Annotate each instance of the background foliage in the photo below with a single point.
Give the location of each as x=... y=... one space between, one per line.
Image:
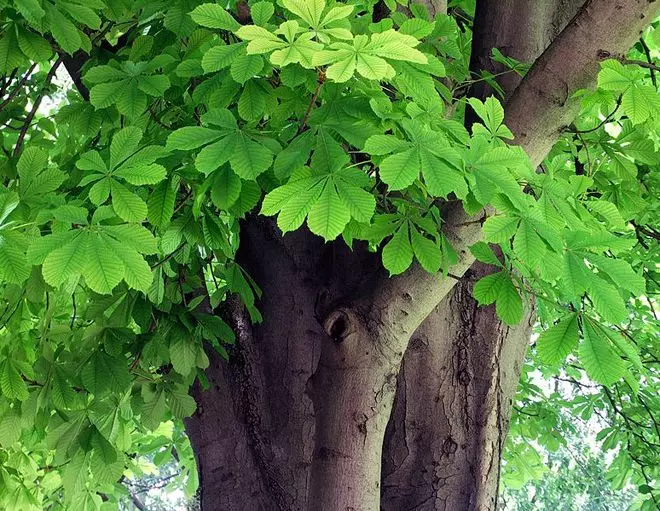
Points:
x=120 y=214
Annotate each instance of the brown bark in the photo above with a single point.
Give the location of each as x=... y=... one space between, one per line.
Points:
x=298 y=417
x=445 y=438
x=542 y=105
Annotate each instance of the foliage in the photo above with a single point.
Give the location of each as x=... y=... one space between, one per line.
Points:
x=120 y=215
x=575 y=479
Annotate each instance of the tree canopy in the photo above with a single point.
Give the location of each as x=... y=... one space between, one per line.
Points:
x=121 y=207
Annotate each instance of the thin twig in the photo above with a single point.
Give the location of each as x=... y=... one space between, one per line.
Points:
x=602 y=123
x=35 y=107
x=168 y=257
x=640 y=63
x=647 y=52
x=315 y=96
x=18 y=87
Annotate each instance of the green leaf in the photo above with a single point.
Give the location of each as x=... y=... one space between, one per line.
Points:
x=128 y=206
x=482 y=252
x=555 y=343
x=398 y=252
x=65 y=33
x=225 y=189
x=245 y=67
x=249 y=158
x=137 y=272
x=214 y=16
x=13 y=266
x=620 y=272
x=509 y=305
x=607 y=300
x=428 y=253
x=329 y=215
x=102 y=269
x=500 y=229
x=34 y=46
x=360 y=203
x=220 y=57
x=640 y=102
x=146 y=174
x=11 y=381
x=181 y=404
x=104 y=373
x=488 y=288
x=308 y=10
x=66 y=261
x=183 y=354
x=384 y=144
x=160 y=205
x=400 y=170
x=124 y=144
x=598 y=357
x=528 y=245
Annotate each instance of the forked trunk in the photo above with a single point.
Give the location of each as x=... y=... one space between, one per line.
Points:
x=362 y=393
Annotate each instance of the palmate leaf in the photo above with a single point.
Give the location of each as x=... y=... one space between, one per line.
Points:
x=329 y=214
x=559 y=340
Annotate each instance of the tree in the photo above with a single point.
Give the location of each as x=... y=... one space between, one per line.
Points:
x=309 y=229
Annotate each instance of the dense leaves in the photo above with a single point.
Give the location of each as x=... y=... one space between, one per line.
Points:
x=120 y=215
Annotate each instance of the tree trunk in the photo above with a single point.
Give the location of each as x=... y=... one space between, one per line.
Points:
x=359 y=392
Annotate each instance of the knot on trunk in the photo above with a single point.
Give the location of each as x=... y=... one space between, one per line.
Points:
x=340 y=324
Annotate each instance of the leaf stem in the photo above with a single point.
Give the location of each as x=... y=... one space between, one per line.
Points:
x=319 y=84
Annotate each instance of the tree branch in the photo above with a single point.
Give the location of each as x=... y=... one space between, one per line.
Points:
x=35 y=107
x=537 y=113
x=18 y=87
x=542 y=105
x=401 y=303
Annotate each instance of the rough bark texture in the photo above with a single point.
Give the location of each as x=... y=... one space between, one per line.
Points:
x=444 y=442
x=301 y=416
x=542 y=105
x=520 y=29
x=453 y=401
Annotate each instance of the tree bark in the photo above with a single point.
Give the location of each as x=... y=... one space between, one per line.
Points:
x=300 y=417
x=445 y=438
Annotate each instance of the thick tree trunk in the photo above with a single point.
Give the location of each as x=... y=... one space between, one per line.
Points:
x=444 y=442
x=359 y=392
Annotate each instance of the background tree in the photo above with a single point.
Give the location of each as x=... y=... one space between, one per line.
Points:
x=337 y=356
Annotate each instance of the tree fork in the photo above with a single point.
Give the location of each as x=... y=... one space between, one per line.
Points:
x=323 y=365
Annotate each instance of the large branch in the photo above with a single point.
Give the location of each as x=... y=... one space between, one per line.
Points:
x=537 y=112
x=542 y=105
